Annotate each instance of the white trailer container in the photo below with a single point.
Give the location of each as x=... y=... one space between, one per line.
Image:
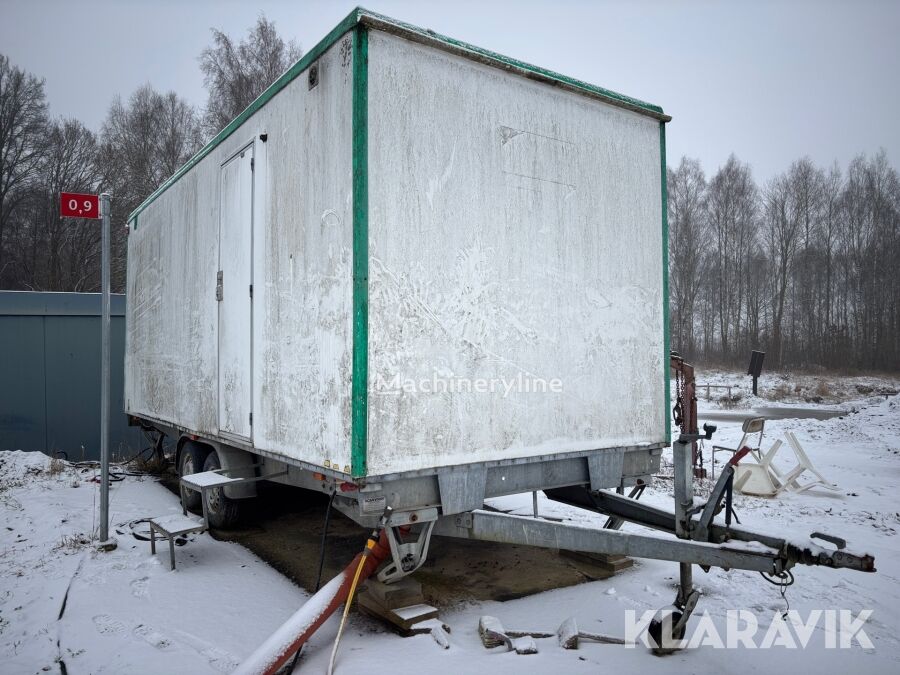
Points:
x=413 y=268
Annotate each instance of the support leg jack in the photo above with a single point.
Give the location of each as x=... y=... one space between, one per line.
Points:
x=667 y=628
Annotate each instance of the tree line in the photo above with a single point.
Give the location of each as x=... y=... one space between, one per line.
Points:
x=803 y=267
x=143 y=140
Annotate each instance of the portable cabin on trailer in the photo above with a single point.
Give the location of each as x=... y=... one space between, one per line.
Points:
x=414 y=271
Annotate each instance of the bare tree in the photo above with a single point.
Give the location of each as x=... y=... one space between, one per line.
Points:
x=23 y=117
x=782 y=240
x=51 y=253
x=805 y=182
x=757 y=304
x=687 y=236
x=143 y=142
x=732 y=203
x=146 y=140
x=235 y=73
x=805 y=271
x=870 y=238
x=832 y=185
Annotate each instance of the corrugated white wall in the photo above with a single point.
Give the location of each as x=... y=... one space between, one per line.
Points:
x=515 y=229
x=302 y=253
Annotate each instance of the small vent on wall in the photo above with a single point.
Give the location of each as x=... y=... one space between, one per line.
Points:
x=313 y=75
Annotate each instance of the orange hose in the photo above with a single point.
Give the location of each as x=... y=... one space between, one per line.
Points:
x=379 y=552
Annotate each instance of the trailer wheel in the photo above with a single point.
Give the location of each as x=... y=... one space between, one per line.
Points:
x=192 y=457
x=223 y=512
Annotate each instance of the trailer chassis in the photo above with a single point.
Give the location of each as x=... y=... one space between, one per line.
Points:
x=451 y=503
x=699 y=539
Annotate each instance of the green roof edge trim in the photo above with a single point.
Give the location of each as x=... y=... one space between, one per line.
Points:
x=386 y=23
x=664 y=193
x=359 y=387
x=286 y=78
x=360 y=15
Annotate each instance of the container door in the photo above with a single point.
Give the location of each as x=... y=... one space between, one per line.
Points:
x=234 y=293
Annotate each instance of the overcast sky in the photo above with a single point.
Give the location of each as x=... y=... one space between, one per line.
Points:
x=768 y=81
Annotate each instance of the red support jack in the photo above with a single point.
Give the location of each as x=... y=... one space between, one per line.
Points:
x=685 y=409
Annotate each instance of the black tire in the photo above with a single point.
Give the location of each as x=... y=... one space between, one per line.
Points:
x=223 y=513
x=193 y=455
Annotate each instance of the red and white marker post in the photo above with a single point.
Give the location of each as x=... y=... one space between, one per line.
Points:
x=98 y=207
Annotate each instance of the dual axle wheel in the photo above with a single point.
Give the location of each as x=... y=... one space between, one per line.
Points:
x=223 y=512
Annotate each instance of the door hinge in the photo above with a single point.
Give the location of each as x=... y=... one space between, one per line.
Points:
x=251 y=290
x=251 y=419
x=252 y=163
x=219 y=289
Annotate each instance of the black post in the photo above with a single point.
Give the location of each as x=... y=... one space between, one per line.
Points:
x=756 y=362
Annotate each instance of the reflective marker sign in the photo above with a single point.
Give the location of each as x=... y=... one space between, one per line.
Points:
x=74 y=205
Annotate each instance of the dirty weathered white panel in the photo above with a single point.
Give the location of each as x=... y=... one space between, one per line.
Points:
x=170 y=350
x=302 y=298
x=302 y=348
x=514 y=235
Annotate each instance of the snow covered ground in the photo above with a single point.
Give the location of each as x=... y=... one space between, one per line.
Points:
x=126 y=612
x=782 y=388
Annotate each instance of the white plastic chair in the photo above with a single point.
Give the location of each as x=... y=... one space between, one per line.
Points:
x=763 y=479
x=759 y=479
x=790 y=480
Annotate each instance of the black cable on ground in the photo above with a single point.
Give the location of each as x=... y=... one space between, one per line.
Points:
x=93 y=463
x=783 y=580
x=131 y=525
x=324 y=537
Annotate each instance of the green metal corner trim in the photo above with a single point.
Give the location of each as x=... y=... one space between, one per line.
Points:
x=360 y=377
x=373 y=20
x=665 y=273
